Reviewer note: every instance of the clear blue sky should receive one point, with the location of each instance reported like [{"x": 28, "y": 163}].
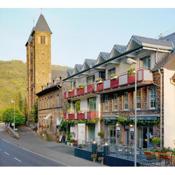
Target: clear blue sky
[{"x": 81, "y": 33}]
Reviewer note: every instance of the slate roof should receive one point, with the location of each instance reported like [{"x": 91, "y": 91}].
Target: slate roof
[
  {"x": 120, "y": 48},
  {"x": 41, "y": 26},
  {"x": 151, "y": 42}
]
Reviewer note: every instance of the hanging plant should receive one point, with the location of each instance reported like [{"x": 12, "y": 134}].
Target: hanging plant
[{"x": 131, "y": 71}]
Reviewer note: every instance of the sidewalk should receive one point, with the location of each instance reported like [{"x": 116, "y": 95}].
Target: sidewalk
[{"x": 58, "y": 152}]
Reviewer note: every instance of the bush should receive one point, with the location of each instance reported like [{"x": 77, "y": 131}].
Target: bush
[{"x": 8, "y": 117}]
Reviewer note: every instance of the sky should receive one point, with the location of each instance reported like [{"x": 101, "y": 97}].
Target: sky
[{"x": 81, "y": 33}]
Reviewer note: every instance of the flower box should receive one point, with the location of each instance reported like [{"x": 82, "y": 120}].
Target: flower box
[
  {"x": 114, "y": 83},
  {"x": 90, "y": 88},
  {"x": 80, "y": 116},
  {"x": 100, "y": 87},
  {"x": 131, "y": 79},
  {"x": 80, "y": 91}
]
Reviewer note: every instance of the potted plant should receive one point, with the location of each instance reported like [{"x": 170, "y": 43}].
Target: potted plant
[
  {"x": 112, "y": 76},
  {"x": 131, "y": 71},
  {"x": 101, "y": 134},
  {"x": 155, "y": 141},
  {"x": 99, "y": 80}
]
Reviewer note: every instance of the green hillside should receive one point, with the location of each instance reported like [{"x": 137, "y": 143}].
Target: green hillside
[{"x": 13, "y": 81}]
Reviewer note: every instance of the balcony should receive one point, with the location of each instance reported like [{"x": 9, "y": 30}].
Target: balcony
[
  {"x": 100, "y": 87},
  {"x": 90, "y": 88},
  {"x": 71, "y": 93},
  {"x": 144, "y": 75},
  {"x": 91, "y": 115},
  {"x": 114, "y": 83},
  {"x": 123, "y": 80},
  {"x": 71, "y": 116},
  {"x": 65, "y": 95},
  {"x": 80, "y": 91},
  {"x": 80, "y": 116},
  {"x": 107, "y": 84},
  {"x": 131, "y": 79}
]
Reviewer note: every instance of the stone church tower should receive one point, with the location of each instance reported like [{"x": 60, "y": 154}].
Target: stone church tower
[{"x": 38, "y": 49}]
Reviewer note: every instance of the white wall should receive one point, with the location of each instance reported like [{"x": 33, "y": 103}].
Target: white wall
[{"x": 169, "y": 109}]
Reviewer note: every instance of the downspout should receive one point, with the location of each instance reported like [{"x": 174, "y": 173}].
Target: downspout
[
  {"x": 161, "y": 138},
  {"x": 161, "y": 121}
]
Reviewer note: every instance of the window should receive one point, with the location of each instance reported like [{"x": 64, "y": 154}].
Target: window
[
  {"x": 146, "y": 62},
  {"x": 139, "y": 99},
  {"x": 125, "y": 101},
  {"x": 92, "y": 104},
  {"x": 90, "y": 79},
  {"x": 106, "y": 104},
  {"x": 111, "y": 72},
  {"x": 115, "y": 103},
  {"x": 77, "y": 106},
  {"x": 102, "y": 75},
  {"x": 152, "y": 98},
  {"x": 42, "y": 39}
]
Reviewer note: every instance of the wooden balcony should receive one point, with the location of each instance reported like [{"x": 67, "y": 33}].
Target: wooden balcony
[
  {"x": 91, "y": 115},
  {"x": 80, "y": 116},
  {"x": 90, "y": 88},
  {"x": 80, "y": 91}
]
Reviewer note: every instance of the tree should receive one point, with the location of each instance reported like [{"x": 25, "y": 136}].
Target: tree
[{"x": 8, "y": 117}]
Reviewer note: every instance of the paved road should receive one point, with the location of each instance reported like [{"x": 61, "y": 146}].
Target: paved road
[{"x": 11, "y": 155}]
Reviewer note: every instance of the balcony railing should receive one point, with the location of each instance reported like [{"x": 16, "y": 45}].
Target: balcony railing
[
  {"x": 99, "y": 86},
  {"x": 91, "y": 115},
  {"x": 90, "y": 88},
  {"x": 122, "y": 80},
  {"x": 80, "y": 91},
  {"x": 71, "y": 116},
  {"x": 71, "y": 93},
  {"x": 114, "y": 83},
  {"x": 80, "y": 116}
]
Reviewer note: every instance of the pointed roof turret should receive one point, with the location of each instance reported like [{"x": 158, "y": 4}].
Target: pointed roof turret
[{"x": 42, "y": 25}]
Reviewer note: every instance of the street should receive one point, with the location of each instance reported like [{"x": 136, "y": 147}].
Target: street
[{"x": 11, "y": 155}]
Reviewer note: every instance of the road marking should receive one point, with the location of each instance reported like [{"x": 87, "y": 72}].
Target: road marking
[
  {"x": 28, "y": 150},
  {"x": 17, "y": 159},
  {"x": 6, "y": 153}
]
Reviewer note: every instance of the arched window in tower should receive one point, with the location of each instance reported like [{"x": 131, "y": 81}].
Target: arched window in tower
[{"x": 42, "y": 39}]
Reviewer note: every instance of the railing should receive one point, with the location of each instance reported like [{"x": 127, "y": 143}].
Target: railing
[
  {"x": 99, "y": 86},
  {"x": 91, "y": 115},
  {"x": 80, "y": 116},
  {"x": 122, "y": 80},
  {"x": 71, "y": 116},
  {"x": 80, "y": 91},
  {"x": 90, "y": 88}
]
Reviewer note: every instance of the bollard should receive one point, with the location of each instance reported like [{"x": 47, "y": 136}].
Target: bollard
[{"x": 105, "y": 149}]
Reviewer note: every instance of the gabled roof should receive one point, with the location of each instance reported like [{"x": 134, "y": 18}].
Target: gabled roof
[
  {"x": 102, "y": 57},
  {"x": 120, "y": 48},
  {"x": 88, "y": 63},
  {"x": 69, "y": 72},
  {"x": 77, "y": 68},
  {"x": 170, "y": 37},
  {"x": 148, "y": 42}
]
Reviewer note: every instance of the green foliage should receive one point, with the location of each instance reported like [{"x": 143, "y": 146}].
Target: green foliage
[
  {"x": 34, "y": 113},
  {"x": 155, "y": 141},
  {"x": 101, "y": 134},
  {"x": 131, "y": 71},
  {"x": 13, "y": 76},
  {"x": 8, "y": 117},
  {"x": 77, "y": 106}
]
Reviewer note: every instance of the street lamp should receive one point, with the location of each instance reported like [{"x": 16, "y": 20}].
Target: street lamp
[
  {"x": 132, "y": 61},
  {"x": 13, "y": 102}
]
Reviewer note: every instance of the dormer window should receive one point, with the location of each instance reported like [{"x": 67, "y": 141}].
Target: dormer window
[{"x": 146, "y": 62}]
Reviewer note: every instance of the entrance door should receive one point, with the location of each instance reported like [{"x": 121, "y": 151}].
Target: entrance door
[
  {"x": 91, "y": 132},
  {"x": 112, "y": 134},
  {"x": 147, "y": 133}
]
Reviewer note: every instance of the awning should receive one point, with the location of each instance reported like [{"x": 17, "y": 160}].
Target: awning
[
  {"x": 145, "y": 117},
  {"x": 47, "y": 116}
]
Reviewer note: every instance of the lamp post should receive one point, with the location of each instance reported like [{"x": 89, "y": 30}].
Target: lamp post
[
  {"x": 12, "y": 101},
  {"x": 132, "y": 61}
]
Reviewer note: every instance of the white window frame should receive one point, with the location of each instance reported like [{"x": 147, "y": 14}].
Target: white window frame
[
  {"x": 151, "y": 97},
  {"x": 125, "y": 102}
]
